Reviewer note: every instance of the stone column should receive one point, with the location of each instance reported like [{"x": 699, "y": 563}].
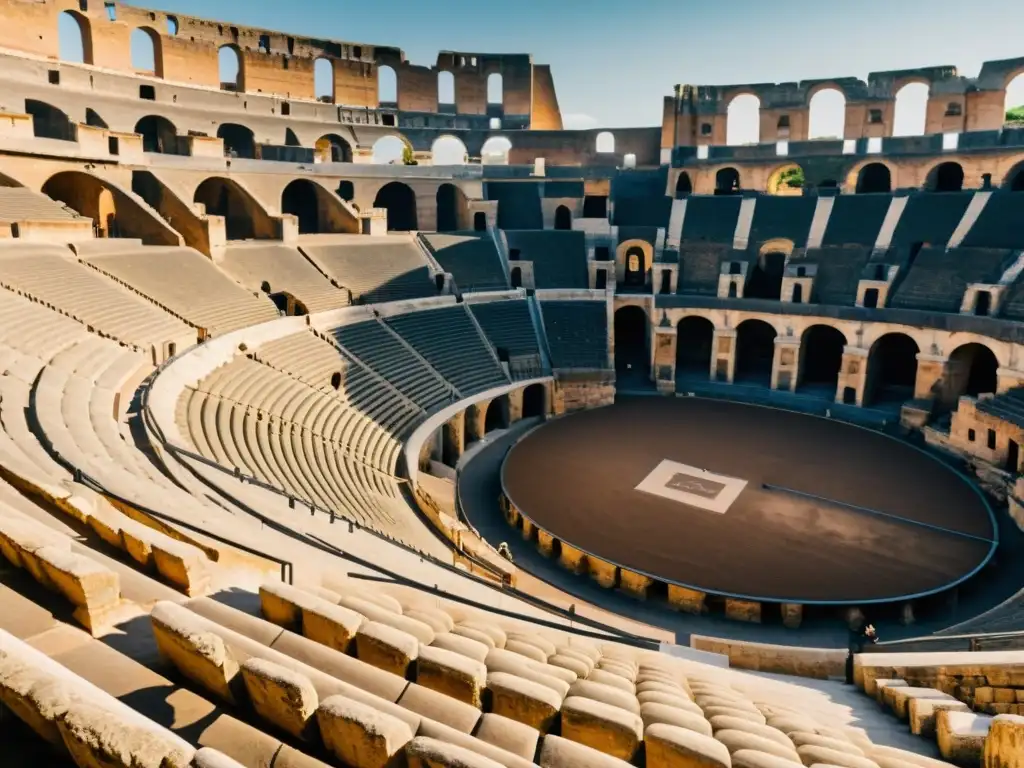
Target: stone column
[
  {"x": 852, "y": 375},
  {"x": 934, "y": 379},
  {"x": 604, "y": 573},
  {"x": 792, "y": 615},
  {"x": 723, "y": 355},
  {"x": 786, "y": 363},
  {"x": 454, "y": 437},
  {"x": 634, "y": 584},
  {"x": 515, "y": 405},
  {"x": 572, "y": 559},
  {"x": 743, "y": 610},
  {"x": 545, "y": 543},
  {"x": 686, "y": 600},
  {"x": 665, "y": 359},
  {"x": 475, "y": 420}
]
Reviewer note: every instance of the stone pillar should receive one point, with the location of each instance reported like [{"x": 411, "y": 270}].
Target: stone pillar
[
  {"x": 604, "y": 573},
  {"x": 686, "y": 600},
  {"x": 634, "y": 584},
  {"x": 852, "y": 376},
  {"x": 723, "y": 355},
  {"x": 936, "y": 377},
  {"x": 792, "y": 615},
  {"x": 665, "y": 359},
  {"x": 515, "y": 405},
  {"x": 545, "y": 543},
  {"x": 743, "y": 610},
  {"x": 572, "y": 559},
  {"x": 511, "y": 513},
  {"x": 454, "y": 438},
  {"x": 786, "y": 363},
  {"x": 475, "y": 419},
  {"x": 1007, "y": 378},
  {"x": 907, "y": 614},
  {"x": 528, "y": 529}
]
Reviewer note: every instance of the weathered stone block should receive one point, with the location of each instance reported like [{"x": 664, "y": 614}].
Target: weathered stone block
[
  {"x": 358, "y": 735},
  {"x": 282, "y": 697},
  {"x": 523, "y": 700},
  {"x": 386, "y": 648},
  {"x": 604, "y": 727},
  {"x": 961, "y": 736},
  {"x": 669, "y": 746},
  {"x": 451, "y": 674},
  {"x": 1004, "y": 747}
]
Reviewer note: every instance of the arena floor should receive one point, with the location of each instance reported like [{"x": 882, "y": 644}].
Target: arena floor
[{"x": 835, "y": 525}]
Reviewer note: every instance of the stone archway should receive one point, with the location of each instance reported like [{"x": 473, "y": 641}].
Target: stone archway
[
  {"x": 892, "y": 369},
  {"x": 400, "y": 202},
  {"x": 972, "y": 370},
  {"x": 632, "y": 346},
  {"x": 695, "y": 337},
  {"x": 244, "y": 218},
  {"x": 633, "y": 262},
  {"x": 534, "y": 401},
  {"x": 821, "y": 360},
  {"x": 755, "y": 353}
]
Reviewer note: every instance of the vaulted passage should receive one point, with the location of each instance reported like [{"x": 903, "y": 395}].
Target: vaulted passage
[
  {"x": 821, "y": 358},
  {"x": 238, "y": 141},
  {"x": 300, "y": 199},
  {"x": 755, "y": 353},
  {"x": 874, "y": 177},
  {"x": 972, "y": 370},
  {"x": 243, "y": 217},
  {"x": 400, "y": 201},
  {"x": 447, "y": 208},
  {"x": 765, "y": 281},
  {"x": 631, "y": 349},
  {"x": 892, "y": 369},
  {"x": 158, "y": 135},
  {"x": 694, "y": 338}
]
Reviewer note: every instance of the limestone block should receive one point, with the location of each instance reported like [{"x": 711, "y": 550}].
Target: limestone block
[
  {"x": 474, "y": 634},
  {"x": 571, "y": 663},
  {"x": 737, "y": 740},
  {"x": 961, "y": 736},
  {"x": 196, "y": 653},
  {"x": 743, "y": 610},
  {"x": 386, "y": 648},
  {"x": 531, "y": 652},
  {"x": 661, "y": 713},
  {"x": 686, "y": 600},
  {"x": 751, "y": 758},
  {"x": 464, "y": 646},
  {"x": 282, "y": 603},
  {"x": 181, "y": 564},
  {"x": 582, "y": 648},
  {"x": 604, "y": 727},
  {"x": 20, "y": 535},
  {"x": 606, "y": 695},
  {"x": 669, "y": 746},
  {"x": 902, "y": 696},
  {"x": 92, "y": 588},
  {"x": 1004, "y": 747},
  {"x": 493, "y": 631},
  {"x": 745, "y": 714},
  {"x": 727, "y": 722},
  {"x": 813, "y": 754},
  {"x": 891, "y": 757},
  {"x": 664, "y": 686},
  {"x": 523, "y": 700},
  {"x": 559, "y": 673},
  {"x": 881, "y": 685},
  {"x": 671, "y": 700},
  {"x": 211, "y": 758},
  {"x": 452, "y": 674},
  {"x": 455, "y": 714},
  {"x": 281, "y": 696},
  {"x": 332, "y": 625},
  {"x": 436, "y": 619},
  {"x": 922, "y": 713},
  {"x": 634, "y": 584},
  {"x": 604, "y": 677},
  {"x": 542, "y": 643},
  {"x": 358, "y": 735},
  {"x": 722, "y": 698},
  {"x": 792, "y": 615},
  {"x": 95, "y": 736},
  {"x": 802, "y": 738},
  {"x": 545, "y": 542},
  {"x": 423, "y": 752},
  {"x": 792, "y": 723},
  {"x": 505, "y": 661},
  {"x": 519, "y": 739},
  {"x": 376, "y": 613},
  {"x": 618, "y": 667}
]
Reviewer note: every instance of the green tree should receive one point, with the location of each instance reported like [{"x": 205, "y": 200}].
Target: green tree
[
  {"x": 1015, "y": 114},
  {"x": 792, "y": 177},
  {"x": 407, "y": 156}
]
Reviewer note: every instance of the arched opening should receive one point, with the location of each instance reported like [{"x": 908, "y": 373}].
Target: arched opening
[
  {"x": 765, "y": 279},
  {"x": 48, "y": 122},
  {"x": 827, "y": 119},
  {"x": 910, "y": 114},
  {"x": 230, "y": 69},
  {"x": 223, "y": 197},
  {"x": 400, "y": 201},
  {"x": 874, "y": 177},
  {"x": 291, "y": 139},
  {"x": 323, "y": 80},
  {"x": 755, "y": 353},
  {"x": 445, "y": 91},
  {"x": 946, "y": 177},
  {"x": 605, "y": 142},
  {"x": 1015, "y": 178},
  {"x": 495, "y": 89},
  {"x": 447, "y": 208},
  {"x": 743, "y": 121},
  {"x": 74, "y": 38},
  {"x": 635, "y": 274},
  {"x": 684, "y": 186},
  {"x": 334, "y": 149},
  {"x": 448, "y": 150},
  {"x": 93, "y": 118},
  {"x": 346, "y": 191},
  {"x": 821, "y": 359},
  {"x": 972, "y": 371},
  {"x": 786, "y": 180},
  {"x": 158, "y": 135},
  {"x": 534, "y": 401},
  {"x": 495, "y": 151},
  {"x": 497, "y": 415},
  {"x": 517, "y": 277},
  {"x": 239, "y": 141},
  {"x": 301, "y": 200},
  {"x": 563, "y": 217},
  {"x": 389, "y": 150},
  {"x": 892, "y": 369},
  {"x": 694, "y": 340},
  {"x": 336, "y": 380},
  {"x": 479, "y": 221},
  {"x": 387, "y": 85},
  {"x": 631, "y": 347},
  {"x": 113, "y": 212},
  {"x": 1013, "y": 103},
  {"x": 172, "y": 25},
  {"x": 727, "y": 182},
  {"x": 146, "y": 55}
]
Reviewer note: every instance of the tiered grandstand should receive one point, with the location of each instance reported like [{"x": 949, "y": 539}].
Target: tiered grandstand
[{"x": 257, "y": 394}]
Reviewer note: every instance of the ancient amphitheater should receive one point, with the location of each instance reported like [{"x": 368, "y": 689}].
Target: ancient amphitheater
[{"x": 268, "y": 406}]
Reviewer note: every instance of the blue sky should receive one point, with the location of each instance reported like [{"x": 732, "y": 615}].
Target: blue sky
[{"x": 613, "y": 61}]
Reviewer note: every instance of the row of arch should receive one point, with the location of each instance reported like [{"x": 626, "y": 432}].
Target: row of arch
[
  {"x": 891, "y": 366},
  {"x": 946, "y": 176},
  {"x": 827, "y": 113}
]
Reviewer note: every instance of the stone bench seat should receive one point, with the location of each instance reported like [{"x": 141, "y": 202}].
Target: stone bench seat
[{"x": 961, "y": 736}]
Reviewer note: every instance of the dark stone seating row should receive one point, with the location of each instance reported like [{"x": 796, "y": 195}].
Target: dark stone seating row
[
  {"x": 518, "y": 203},
  {"x": 577, "y": 333},
  {"x": 699, "y": 267},
  {"x": 1009, "y": 406},
  {"x": 930, "y": 218},
  {"x": 376, "y": 271},
  {"x": 839, "y": 271},
  {"x": 508, "y": 327},
  {"x": 711, "y": 218},
  {"x": 936, "y": 278},
  {"x": 856, "y": 219},
  {"x": 999, "y": 225},
  {"x": 559, "y": 256},
  {"x": 782, "y": 217},
  {"x": 470, "y": 257}
]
